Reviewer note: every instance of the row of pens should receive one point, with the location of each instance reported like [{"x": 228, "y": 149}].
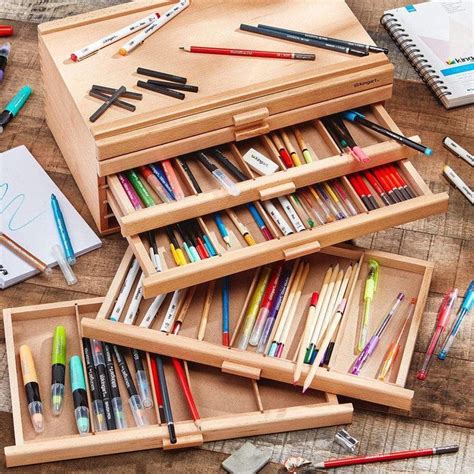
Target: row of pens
[
  {"x": 313, "y": 206},
  {"x": 158, "y": 183},
  {"x": 108, "y": 408}
]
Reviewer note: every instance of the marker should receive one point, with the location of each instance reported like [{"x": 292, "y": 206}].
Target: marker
[
  {"x": 225, "y": 311},
  {"x": 160, "y": 174},
  {"x": 130, "y": 191},
  {"x": 125, "y": 291},
  {"x": 30, "y": 380},
  {"x": 156, "y": 25},
  {"x": 458, "y": 183},
  {"x": 140, "y": 189},
  {"x": 458, "y": 150},
  {"x": 219, "y": 175},
  {"x": 68, "y": 273},
  {"x": 4, "y": 52},
  {"x": 291, "y": 214},
  {"x": 79, "y": 394},
  {"x": 222, "y": 229},
  {"x": 357, "y": 117},
  {"x": 62, "y": 231},
  {"x": 134, "y": 400},
  {"x": 172, "y": 179},
  {"x": 14, "y": 106},
  {"x": 113, "y": 37},
  {"x": 259, "y": 221},
  {"x": 141, "y": 378},
  {"x": 277, "y": 218},
  {"x": 98, "y": 412},
  {"x": 244, "y": 232},
  {"x": 58, "y": 370},
  {"x": 155, "y": 183}
]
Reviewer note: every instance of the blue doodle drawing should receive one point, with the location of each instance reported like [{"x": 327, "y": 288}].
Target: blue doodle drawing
[{"x": 15, "y": 204}]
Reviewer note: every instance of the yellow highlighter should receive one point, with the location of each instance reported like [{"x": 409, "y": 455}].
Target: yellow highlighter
[{"x": 176, "y": 251}]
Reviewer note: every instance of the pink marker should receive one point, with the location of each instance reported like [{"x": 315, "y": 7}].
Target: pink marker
[{"x": 128, "y": 188}]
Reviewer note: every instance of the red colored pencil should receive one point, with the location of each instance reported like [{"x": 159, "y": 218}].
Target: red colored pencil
[
  {"x": 377, "y": 187},
  {"x": 401, "y": 181},
  {"x": 383, "y": 181},
  {"x": 416, "y": 453},
  {"x": 249, "y": 53},
  {"x": 156, "y": 384},
  {"x": 367, "y": 191},
  {"x": 393, "y": 183},
  {"x": 177, "y": 364}
]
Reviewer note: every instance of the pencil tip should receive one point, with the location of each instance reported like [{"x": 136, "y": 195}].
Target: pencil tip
[
  {"x": 181, "y": 47},
  {"x": 304, "y": 389}
]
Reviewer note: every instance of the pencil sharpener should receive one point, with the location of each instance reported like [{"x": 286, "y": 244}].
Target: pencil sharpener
[{"x": 348, "y": 442}]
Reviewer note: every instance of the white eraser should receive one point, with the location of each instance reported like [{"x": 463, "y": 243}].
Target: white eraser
[{"x": 260, "y": 163}]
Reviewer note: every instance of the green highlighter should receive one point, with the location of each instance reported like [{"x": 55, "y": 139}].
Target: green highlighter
[
  {"x": 58, "y": 370},
  {"x": 79, "y": 394},
  {"x": 140, "y": 189},
  {"x": 14, "y": 106}
]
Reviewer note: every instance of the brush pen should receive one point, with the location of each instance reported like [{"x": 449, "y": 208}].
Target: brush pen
[
  {"x": 442, "y": 320},
  {"x": 134, "y": 401},
  {"x": 58, "y": 370},
  {"x": 161, "y": 176},
  {"x": 225, "y": 311},
  {"x": 357, "y": 117},
  {"x": 154, "y": 183},
  {"x": 190, "y": 175},
  {"x": 125, "y": 290},
  {"x": 62, "y": 231},
  {"x": 259, "y": 221},
  {"x": 98, "y": 411},
  {"x": 248, "y": 237},
  {"x": 308, "y": 41},
  {"x": 32, "y": 389},
  {"x": 141, "y": 378},
  {"x": 166, "y": 399},
  {"x": 462, "y": 313},
  {"x": 350, "y": 44},
  {"x": 219, "y": 175},
  {"x": 130, "y": 191},
  {"x": 79, "y": 394}
]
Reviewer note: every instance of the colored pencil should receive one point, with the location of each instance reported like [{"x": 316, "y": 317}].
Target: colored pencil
[
  {"x": 225, "y": 311},
  {"x": 205, "y": 310},
  {"x": 248, "y": 53}
]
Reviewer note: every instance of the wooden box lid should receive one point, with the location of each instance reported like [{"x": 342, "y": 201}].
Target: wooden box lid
[{"x": 232, "y": 90}]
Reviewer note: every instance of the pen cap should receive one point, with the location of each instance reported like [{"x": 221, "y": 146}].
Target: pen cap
[
  {"x": 68, "y": 273},
  {"x": 469, "y": 297},
  {"x": 6, "y": 30},
  {"x": 28, "y": 369},
  {"x": 58, "y": 351},
  {"x": 15, "y": 105},
  {"x": 76, "y": 373},
  {"x": 374, "y": 268},
  {"x": 446, "y": 307},
  {"x": 97, "y": 352},
  {"x": 314, "y": 299},
  {"x": 352, "y": 114}
]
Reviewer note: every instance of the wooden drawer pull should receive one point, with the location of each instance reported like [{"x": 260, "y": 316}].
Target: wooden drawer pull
[
  {"x": 276, "y": 191},
  {"x": 241, "y": 370},
  {"x": 251, "y": 117},
  {"x": 247, "y": 133},
  {"x": 301, "y": 250}
]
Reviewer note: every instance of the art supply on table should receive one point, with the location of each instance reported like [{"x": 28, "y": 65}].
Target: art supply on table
[
  {"x": 119, "y": 103},
  {"x": 110, "y": 101},
  {"x": 248, "y": 53},
  {"x": 458, "y": 183},
  {"x": 156, "y": 384},
  {"x": 175, "y": 249},
  {"x": 79, "y": 394},
  {"x": 156, "y": 25},
  {"x": 378, "y": 188},
  {"x": 23, "y": 253},
  {"x": 356, "y": 184},
  {"x": 228, "y": 165},
  {"x": 125, "y": 290},
  {"x": 152, "y": 311},
  {"x": 396, "y": 455},
  {"x": 58, "y": 370},
  {"x": 357, "y": 117},
  {"x": 372, "y": 344},
  {"x": 222, "y": 228},
  {"x": 6, "y": 30},
  {"x": 14, "y": 106},
  {"x": 225, "y": 311},
  {"x": 62, "y": 230},
  {"x": 4, "y": 53},
  {"x": 205, "y": 310},
  {"x": 93, "y": 48},
  {"x": 368, "y": 48},
  {"x": 369, "y": 293},
  {"x": 63, "y": 264},
  {"x": 166, "y": 399},
  {"x": 437, "y": 41},
  {"x": 301, "y": 39},
  {"x": 259, "y": 221},
  {"x": 100, "y": 367},
  {"x": 161, "y": 75},
  {"x": 393, "y": 197},
  {"x": 218, "y": 174},
  {"x": 141, "y": 378},
  {"x": 442, "y": 320},
  {"x": 366, "y": 191},
  {"x": 401, "y": 181},
  {"x": 174, "y": 85},
  {"x": 247, "y": 459},
  {"x": 197, "y": 188},
  {"x": 115, "y": 398},
  {"x": 240, "y": 227},
  {"x": 161, "y": 90},
  {"x": 134, "y": 400},
  {"x": 464, "y": 310},
  {"x": 458, "y": 150},
  {"x": 110, "y": 90},
  {"x": 98, "y": 411},
  {"x": 30, "y": 382},
  {"x": 259, "y": 163},
  {"x": 348, "y": 442},
  {"x": 343, "y": 195},
  {"x": 394, "y": 348}
]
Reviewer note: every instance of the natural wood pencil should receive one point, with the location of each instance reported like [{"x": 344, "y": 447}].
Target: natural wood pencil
[{"x": 205, "y": 310}]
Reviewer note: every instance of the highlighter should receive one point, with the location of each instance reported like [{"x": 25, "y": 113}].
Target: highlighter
[
  {"x": 58, "y": 370},
  {"x": 14, "y": 106},
  {"x": 4, "y": 53},
  {"x": 79, "y": 394}
]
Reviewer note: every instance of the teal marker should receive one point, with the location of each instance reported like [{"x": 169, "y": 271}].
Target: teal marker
[
  {"x": 62, "y": 231},
  {"x": 79, "y": 394},
  {"x": 14, "y": 106}
]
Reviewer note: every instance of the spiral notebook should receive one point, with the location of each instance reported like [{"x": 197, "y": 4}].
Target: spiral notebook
[
  {"x": 26, "y": 216},
  {"x": 438, "y": 40}
]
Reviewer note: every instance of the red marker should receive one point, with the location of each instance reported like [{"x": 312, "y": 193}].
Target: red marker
[
  {"x": 416, "y": 453},
  {"x": 6, "y": 30},
  {"x": 377, "y": 187}
]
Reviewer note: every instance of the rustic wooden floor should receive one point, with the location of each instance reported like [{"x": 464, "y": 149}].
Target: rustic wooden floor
[{"x": 442, "y": 412}]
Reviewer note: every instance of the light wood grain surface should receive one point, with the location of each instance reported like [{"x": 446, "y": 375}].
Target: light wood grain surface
[{"x": 442, "y": 411}]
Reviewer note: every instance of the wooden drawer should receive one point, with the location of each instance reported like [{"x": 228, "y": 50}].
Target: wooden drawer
[
  {"x": 328, "y": 163},
  {"x": 258, "y": 407},
  {"x": 397, "y": 274},
  {"x": 240, "y": 256}
]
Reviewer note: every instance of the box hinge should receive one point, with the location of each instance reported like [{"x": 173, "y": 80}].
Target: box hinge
[
  {"x": 241, "y": 370},
  {"x": 301, "y": 250},
  {"x": 251, "y": 124},
  {"x": 277, "y": 191},
  {"x": 185, "y": 441}
]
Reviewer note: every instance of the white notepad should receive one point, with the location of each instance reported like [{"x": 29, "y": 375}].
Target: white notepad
[
  {"x": 438, "y": 40},
  {"x": 26, "y": 216}
]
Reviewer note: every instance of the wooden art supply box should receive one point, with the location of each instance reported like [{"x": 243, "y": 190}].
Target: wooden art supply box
[
  {"x": 230, "y": 406},
  {"x": 397, "y": 274}
]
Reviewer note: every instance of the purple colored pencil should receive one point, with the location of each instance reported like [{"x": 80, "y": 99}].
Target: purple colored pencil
[{"x": 128, "y": 188}]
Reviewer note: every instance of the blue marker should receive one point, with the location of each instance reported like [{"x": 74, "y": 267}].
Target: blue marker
[
  {"x": 14, "y": 106},
  {"x": 62, "y": 231},
  {"x": 222, "y": 229},
  {"x": 359, "y": 118},
  {"x": 159, "y": 173},
  {"x": 463, "y": 311},
  {"x": 225, "y": 310}
]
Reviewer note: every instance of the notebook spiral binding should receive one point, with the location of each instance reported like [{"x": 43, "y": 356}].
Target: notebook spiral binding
[{"x": 414, "y": 55}]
